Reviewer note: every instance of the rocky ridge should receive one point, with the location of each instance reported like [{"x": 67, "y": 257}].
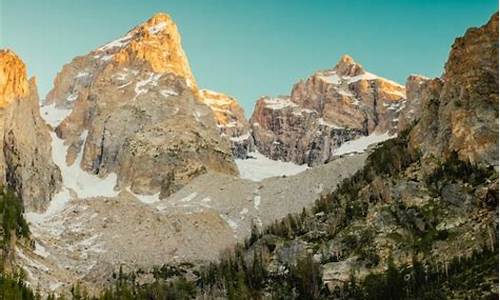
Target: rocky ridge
[
  {"x": 460, "y": 110},
  {"x": 324, "y": 111},
  {"x": 135, "y": 112},
  {"x": 231, "y": 121},
  {"x": 25, "y": 160}
]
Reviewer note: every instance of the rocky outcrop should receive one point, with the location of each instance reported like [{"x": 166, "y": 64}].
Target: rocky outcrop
[
  {"x": 25, "y": 155},
  {"x": 231, "y": 121},
  {"x": 459, "y": 112},
  {"x": 324, "y": 111},
  {"x": 410, "y": 112},
  {"x": 136, "y": 112}
]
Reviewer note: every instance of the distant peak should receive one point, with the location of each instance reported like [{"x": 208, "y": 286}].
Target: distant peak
[
  {"x": 346, "y": 59},
  {"x": 346, "y": 66}
]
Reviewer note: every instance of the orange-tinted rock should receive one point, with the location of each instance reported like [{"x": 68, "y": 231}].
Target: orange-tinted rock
[
  {"x": 13, "y": 81},
  {"x": 25, "y": 154},
  {"x": 459, "y": 112},
  {"x": 231, "y": 121},
  {"x": 324, "y": 111}
]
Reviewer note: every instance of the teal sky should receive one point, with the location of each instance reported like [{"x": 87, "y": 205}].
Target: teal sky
[{"x": 250, "y": 48}]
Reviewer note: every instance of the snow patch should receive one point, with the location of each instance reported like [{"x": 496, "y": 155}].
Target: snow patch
[
  {"x": 85, "y": 185},
  {"x": 322, "y": 122},
  {"x": 157, "y": 28},
  {"x": 189, "y": 197},
  {"x": 82, "y": 74},
  {"x": 330, "y": 77},
  {"x": 260, "y": 167},
  {"x": 53, "y": 115},
  {"x": 364, "y": 76},
  {"x": 40, "y": 250},
  {"x": 116, "y": 43},
  {"x": 234, "y": 225},
  {"x": 240, "y": 138},
  {"x": 30, "y": 262},
  {"x": 168, "y": 92},
  {"x": 361, "y": 144},
  {"x": 256, "y": 201},
  {"x": 106, "y": 57},
  {"x": 278, "y": 103},
  {"x": 56, "y": 205},
  {"x": 72, "y": 97},
  {"x": 141, "y": 86}
]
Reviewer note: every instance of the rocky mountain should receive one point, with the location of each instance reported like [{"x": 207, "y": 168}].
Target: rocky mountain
[
  {"x": 25, "y": 161},
  {"x": 410, "y": 112},
  {"x": 461, "y": 108},
  {"x": 418, "y": 221},
  {"x": 324, "y": 111},
  {"x": 231, "y": 121},
  {"x": 136, "y": 112},
  {"x": 149, "y": 199}
]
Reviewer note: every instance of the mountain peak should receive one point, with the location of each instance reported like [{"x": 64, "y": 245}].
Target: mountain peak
[
  {"x": 346, "y": 66},
  {"x": 156, "y": 42},
  {"x": 13, "y": 78},
  {"x": 160, "y": 17},
  {"x": 158, "y": 23}
]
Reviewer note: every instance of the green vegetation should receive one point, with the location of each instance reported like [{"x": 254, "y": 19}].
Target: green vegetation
[
  {"x": 462, "y": 278},
  {"x": 11, "y": 217},
  {"x": 13, "y": 222},
  {"x": 14, "y": 289},
  {"x": 13, "y": 226}
]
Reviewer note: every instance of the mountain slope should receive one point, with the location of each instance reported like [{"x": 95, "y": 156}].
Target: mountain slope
[
  {"x": 462, "y": 114},
  {"x": 328, "y": 109}
]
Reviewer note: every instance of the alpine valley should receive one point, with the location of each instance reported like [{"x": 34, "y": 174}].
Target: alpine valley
[{"x": 130, "y": 181}]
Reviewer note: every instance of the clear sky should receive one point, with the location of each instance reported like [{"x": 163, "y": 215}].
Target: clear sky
[{"x": 250, "y": 48}]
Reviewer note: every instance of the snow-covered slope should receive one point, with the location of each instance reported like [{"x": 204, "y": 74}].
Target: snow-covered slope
[
  {"x": 361, "y": 144},
  {"x": 258, "y": 167}
]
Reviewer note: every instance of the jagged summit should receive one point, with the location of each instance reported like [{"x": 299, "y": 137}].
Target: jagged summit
[
  {"x": 348, "y": 67},
  {"x": 347, "y": 70},
  {"x": 157, "y": 42},
  {"x": 13, "y": 78},
  {"x": 159, "y": 17},
  {"x": 326, "y": 110}
]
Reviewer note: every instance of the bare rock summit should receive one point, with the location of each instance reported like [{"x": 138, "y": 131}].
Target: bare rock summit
[{"x": 136, "y": 112}]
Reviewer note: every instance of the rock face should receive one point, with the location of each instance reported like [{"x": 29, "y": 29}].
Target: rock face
[
  {"x": 231, "y": 121},
  {"x": 156, "y": 43},
  {"x": 25, "y": 160},
  {"x": 459, "y": 112},
  {"x": 136, "y": 112},
  {"x": 324, "y": 111},
  {"x": 415, "y": 87}
]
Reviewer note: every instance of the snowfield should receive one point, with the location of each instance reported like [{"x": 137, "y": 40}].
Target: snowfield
[
  {"x": 260, "y": 167},
  {"x": 52, "y": 115},
  {"x": 361, "y": 144}
]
